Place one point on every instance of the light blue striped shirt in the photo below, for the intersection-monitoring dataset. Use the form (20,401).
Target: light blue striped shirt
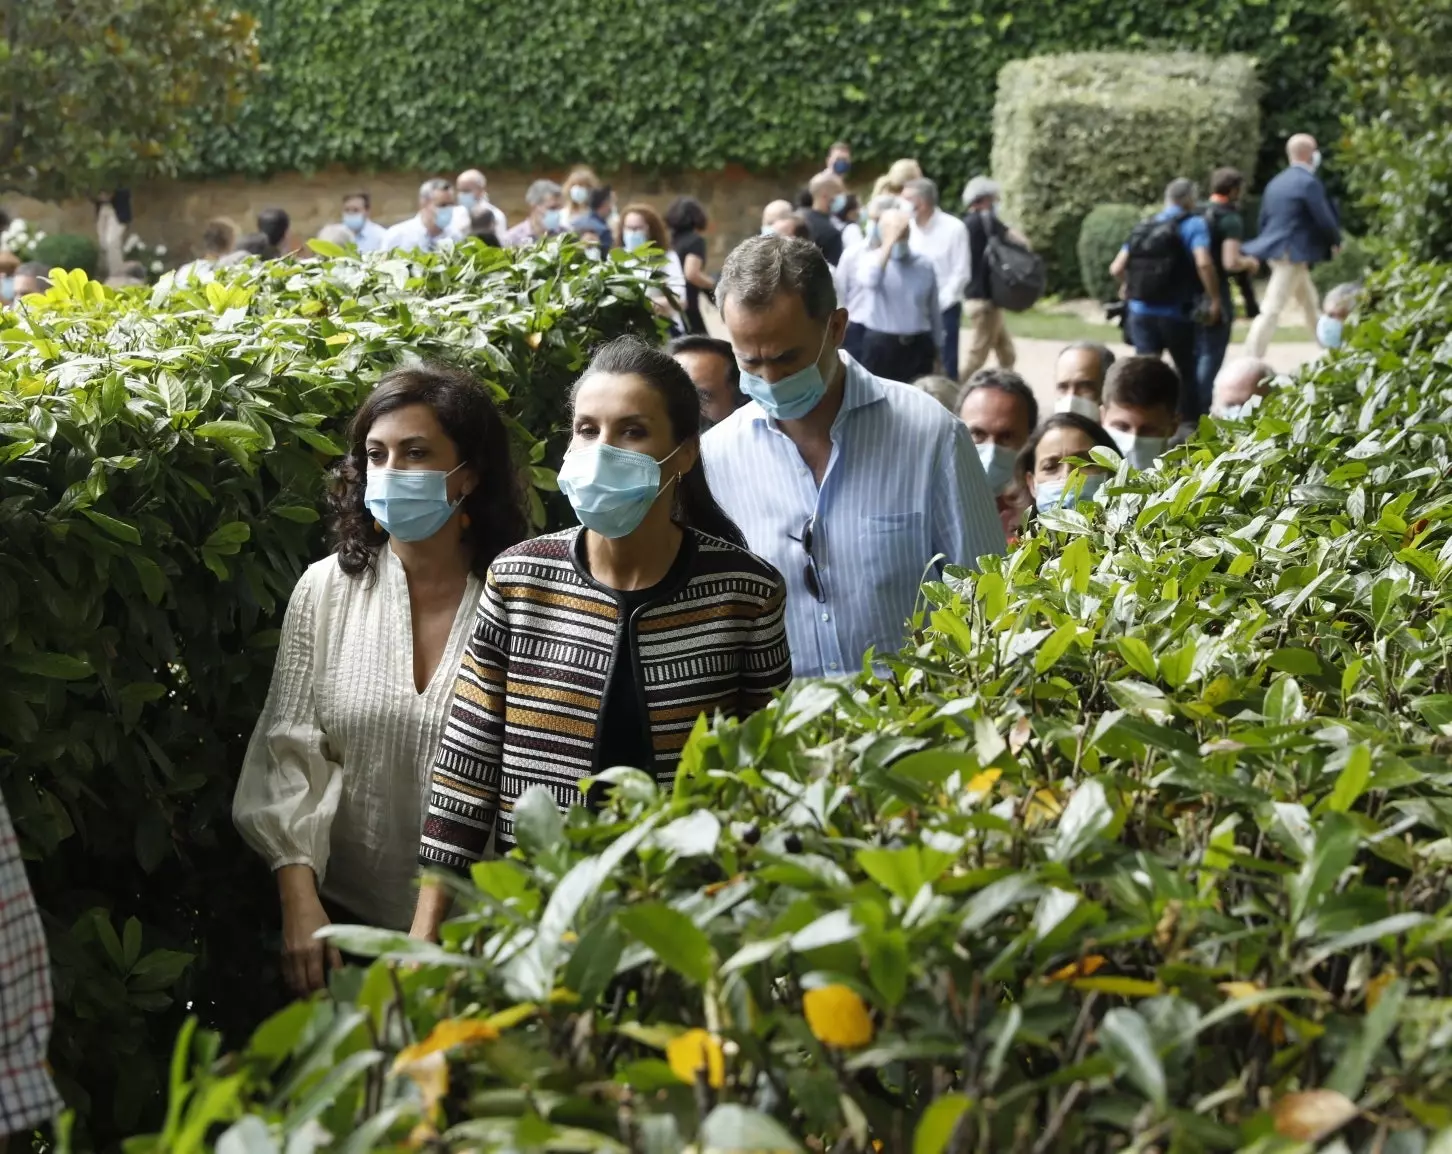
(903,484)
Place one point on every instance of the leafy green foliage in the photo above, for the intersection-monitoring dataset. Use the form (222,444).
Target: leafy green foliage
(1101,236)
(1352,263)
(685,85)
(1141,844)
(68,250)
(1398,146)
(96,94)
(1072,132)
(162,459)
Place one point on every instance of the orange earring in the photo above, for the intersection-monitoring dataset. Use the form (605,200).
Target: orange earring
(377,528)
(464,520)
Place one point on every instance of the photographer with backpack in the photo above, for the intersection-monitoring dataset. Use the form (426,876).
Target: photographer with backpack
(1172,288)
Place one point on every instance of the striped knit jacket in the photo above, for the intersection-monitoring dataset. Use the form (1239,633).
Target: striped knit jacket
(529,698)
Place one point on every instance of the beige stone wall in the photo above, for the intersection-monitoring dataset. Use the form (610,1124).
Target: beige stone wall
(174,212)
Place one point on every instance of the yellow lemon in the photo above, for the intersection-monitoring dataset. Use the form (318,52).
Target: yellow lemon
(688,1053)
(837,1016)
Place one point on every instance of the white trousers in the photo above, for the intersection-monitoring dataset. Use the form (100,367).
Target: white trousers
(1288,282)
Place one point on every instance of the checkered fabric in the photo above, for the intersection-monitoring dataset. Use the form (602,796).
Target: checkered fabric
(27,1095)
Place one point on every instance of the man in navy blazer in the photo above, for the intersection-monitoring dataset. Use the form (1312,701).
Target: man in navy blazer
(1298,228)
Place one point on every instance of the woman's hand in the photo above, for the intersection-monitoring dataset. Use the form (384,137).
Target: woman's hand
(305,959)
(429,914)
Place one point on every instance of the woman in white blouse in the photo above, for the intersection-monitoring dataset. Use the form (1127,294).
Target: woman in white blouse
(332,789)
(641,225)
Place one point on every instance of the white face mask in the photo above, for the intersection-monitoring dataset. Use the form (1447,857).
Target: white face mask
(1315,160)
(998,461)
(1074,403)
(1141,452)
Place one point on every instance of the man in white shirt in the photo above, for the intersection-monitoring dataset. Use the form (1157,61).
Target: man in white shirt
(432,228)
(473,190)
(943,239)
(357,215)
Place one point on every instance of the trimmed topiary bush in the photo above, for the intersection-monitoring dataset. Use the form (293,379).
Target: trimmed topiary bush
(1070,132)
(68,250)
(1102,234)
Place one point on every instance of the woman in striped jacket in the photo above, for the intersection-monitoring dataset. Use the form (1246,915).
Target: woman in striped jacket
(600,646)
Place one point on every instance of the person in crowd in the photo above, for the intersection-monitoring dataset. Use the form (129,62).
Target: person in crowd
(485,226)
(251,244)
(851,290)
(358,216)
(852,486)
(9,262)
(1168,269)
(332,787)
(472,193)
(31,277)
(546,217)
(1141,400)
(219,237)
(1239,386)
(773,212)
(845,213)
(1044,469)
(130,274)
(1000,412)
(579,185)
(431,229)
(943,239)
(793,225)
(825,189)
(1227,232)
(839,161)
(599,646)
(1299,228)
(901,324)
(986,329)
(1336,310)
(333,233)
(640,225)
(712,367)
(28,1096)
(595,223)
(1079,378)
(687,220)
(276,225)
(895,179)
(942,389)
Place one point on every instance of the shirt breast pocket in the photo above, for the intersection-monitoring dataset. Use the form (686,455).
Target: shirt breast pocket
(893,547)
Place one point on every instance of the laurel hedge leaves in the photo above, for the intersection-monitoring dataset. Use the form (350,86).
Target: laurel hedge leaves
(162,456)
(697,84)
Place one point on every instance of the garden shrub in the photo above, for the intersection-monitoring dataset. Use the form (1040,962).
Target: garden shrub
(1352,263)
(68,250)
(900,80)
(1074,131)
(162,458)
(1101,236)
(1140,844)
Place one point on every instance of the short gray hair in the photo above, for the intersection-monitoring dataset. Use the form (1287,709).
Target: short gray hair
(540,191)
(924,188)
(434,184)
(978,188)
(1180,190)
(1342,297)
(944,390)
(761,267)
(338,234)
(1103,352)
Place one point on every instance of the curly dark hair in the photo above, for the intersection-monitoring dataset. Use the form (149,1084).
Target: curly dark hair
(686,214)
(465,410)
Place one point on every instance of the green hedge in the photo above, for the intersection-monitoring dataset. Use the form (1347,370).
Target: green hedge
(1074,131)
(68,250)
(1141,844)
(1102,234)
(162,454)
(438,87)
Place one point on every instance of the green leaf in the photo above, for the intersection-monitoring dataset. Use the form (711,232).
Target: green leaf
(887,964)
(1126,1037)
(1055,646)
(326,247)
(228,539)
(158,970)
(58,666)
(1335,846)
(732,1127)
(593,963)
(902,872)
(1349,1075)
(1138,657)
(936,1125)
(297,513)
(1087,815)
(1351,781)
(673,938)
(121,530)
(538,826)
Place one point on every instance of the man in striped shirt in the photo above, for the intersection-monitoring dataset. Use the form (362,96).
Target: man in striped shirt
(853,487)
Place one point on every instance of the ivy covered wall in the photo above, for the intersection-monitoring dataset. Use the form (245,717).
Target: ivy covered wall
(694,84)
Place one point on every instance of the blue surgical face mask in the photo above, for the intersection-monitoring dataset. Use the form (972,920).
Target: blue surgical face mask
(7,289)
(410,504)
(1141,452)
(841,166)
(998,462)
(355,221)
(1330,332)
(791,398)
(900,250)
(839,202)
(443,215)
(580,194)
(767,230)
(553,220)
(467,200)
(1052,495)
(633,238)
(611,489)
(874,234)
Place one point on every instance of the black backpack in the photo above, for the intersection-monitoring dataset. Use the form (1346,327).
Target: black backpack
(1016,276)
(1161,270)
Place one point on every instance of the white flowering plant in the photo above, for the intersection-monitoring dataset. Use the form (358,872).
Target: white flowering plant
(152,256)
(20,238)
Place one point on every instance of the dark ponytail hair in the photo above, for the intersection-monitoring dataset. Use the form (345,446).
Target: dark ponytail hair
(694,507)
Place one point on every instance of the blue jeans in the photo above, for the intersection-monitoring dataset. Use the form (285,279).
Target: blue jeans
(1152,336)
(1211,343)
(952,323)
